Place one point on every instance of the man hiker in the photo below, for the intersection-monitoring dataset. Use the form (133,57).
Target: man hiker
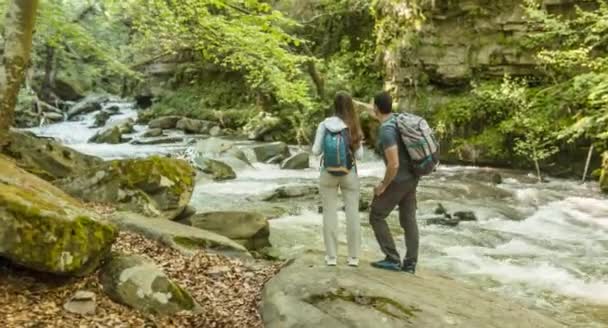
(397,188)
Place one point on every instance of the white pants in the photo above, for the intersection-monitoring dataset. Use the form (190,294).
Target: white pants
(349,185)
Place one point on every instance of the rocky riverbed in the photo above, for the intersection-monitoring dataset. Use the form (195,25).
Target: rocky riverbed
(542,246)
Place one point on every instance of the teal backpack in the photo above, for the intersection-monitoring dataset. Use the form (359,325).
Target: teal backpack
(337,157)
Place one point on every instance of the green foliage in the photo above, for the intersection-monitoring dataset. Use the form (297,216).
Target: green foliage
(235,36)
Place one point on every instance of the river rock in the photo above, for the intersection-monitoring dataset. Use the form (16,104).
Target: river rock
(444,220)
(465,216)
(308,294)
(137,282)
(181,237)
(215,131)
(89,104)
(165,122)
(44,229)
(83,303)
(298,161)
(216,168)
(189,125)
(213,147)
(291,191)
(45,157)
(153,133)
(156,186)
(158,141)
(53,116)
(604,174)
(249,229)
(100,119)
(265,152)
(110,135)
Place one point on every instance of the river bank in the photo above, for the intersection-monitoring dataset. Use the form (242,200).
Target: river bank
(540,244)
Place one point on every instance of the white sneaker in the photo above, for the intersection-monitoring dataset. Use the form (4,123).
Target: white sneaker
(331,261)
(353,262)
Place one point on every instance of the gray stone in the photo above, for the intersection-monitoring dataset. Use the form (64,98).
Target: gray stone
(213,147)
(110,136)
(307,293)
(249,229)
(153,133)
(181,237)
(89,104)
(189,125)
(165,122)
(158,141)
(264,152)
(215,131)
(291,191)
(216,168)
(83,303)
(298,161)
(465,216)
(137,282)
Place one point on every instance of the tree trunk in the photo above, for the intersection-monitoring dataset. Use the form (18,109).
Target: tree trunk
(18,30)
(588,162)
(49,74)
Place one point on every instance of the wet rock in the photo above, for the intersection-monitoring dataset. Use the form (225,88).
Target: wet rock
(216,168)
(89,104)
(46,158)
(442,220)
(276,160)
(137,282)
(153,133)
(215,131)
(44,229)
(110,136)
(181,237)
(291,191)
(155,186)
(189,125)
(440,210)
(83,303)
(213,147)
(308,294)
(298,161)
(249,229)
(100,119)
(53,116)
(165,122)
(267,151)
(158,141)
(186,214)
(465,216)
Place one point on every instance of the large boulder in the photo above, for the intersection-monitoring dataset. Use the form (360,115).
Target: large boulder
(267,151)
(47,158)
(155,186)
(44,229)
(213,147)
(224,151)
(298,161)
(181,237)
(307,293)
(152,133)
(137,282)
(189,125)
(249,229)
(165,122)
(89,104)
(604,174)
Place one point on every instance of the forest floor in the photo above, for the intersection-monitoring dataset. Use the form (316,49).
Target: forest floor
(228,290)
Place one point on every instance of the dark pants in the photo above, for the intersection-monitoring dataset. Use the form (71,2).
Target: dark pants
(404,195)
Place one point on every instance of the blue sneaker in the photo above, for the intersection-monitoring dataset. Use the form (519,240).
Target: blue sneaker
(387,264)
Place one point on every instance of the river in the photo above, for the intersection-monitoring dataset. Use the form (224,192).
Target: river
(545,245)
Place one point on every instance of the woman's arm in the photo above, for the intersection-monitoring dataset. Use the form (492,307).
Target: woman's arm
(316,147)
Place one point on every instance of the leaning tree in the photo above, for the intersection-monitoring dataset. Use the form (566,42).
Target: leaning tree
(18,29)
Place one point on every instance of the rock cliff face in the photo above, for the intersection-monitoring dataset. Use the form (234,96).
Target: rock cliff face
(452,42)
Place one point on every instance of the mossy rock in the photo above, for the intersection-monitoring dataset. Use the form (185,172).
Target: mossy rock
(47,158)
(217,169)
(44,229)
(137,282)
(155,186)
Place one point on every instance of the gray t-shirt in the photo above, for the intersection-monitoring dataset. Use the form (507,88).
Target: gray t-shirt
(388,136)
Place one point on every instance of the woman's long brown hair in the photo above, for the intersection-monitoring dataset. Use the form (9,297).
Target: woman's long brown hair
(345,110)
